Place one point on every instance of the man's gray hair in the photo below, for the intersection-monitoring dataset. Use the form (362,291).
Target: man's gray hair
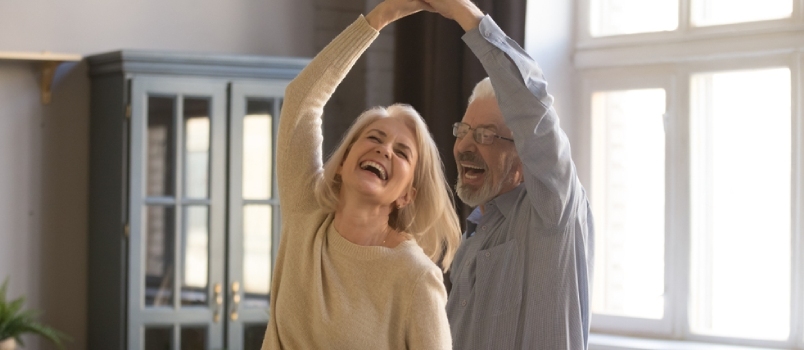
(482,89)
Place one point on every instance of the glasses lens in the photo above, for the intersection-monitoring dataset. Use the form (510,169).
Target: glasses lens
(459,130)
(484,136)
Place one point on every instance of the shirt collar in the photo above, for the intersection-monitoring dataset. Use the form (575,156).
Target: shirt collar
(505,201)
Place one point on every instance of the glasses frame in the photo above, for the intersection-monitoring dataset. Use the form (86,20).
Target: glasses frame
(476,135)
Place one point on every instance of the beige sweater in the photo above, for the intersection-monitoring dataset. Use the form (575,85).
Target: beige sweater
(328,293)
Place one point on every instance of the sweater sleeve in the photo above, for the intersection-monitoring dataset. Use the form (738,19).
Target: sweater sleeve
(299,150)
(427,324)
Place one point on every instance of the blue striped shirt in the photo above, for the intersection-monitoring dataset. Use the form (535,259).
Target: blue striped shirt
(521,281)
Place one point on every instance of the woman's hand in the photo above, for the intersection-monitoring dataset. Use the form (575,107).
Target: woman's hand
(392,10)
(465,12)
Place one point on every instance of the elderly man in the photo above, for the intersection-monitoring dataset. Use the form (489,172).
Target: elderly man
(520,279)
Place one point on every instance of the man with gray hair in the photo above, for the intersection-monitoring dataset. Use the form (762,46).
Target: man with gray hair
(520,279)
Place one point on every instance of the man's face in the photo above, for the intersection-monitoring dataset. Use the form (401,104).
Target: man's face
(485,171)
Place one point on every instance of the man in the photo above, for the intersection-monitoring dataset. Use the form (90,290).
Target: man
(520,279)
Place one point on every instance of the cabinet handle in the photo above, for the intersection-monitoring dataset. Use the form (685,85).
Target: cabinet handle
(218,302)
(235,300)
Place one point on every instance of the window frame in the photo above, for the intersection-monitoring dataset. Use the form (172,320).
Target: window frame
(685,31)
(668,60)
(608,80)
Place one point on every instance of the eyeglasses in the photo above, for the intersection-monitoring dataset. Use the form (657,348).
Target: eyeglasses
(481,135)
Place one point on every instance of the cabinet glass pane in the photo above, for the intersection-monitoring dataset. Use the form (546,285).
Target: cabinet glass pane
(158,338)
(196,256)
(257,149)
(196,147)
(741,203)
(257,225)
(253,335)
(714,12)
(160,138)
(617,17)
(627,196)
(159,256)
(193,338)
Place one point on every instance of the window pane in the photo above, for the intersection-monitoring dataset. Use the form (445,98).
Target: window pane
(257,152)
(253,335)
(712,12)
(160,242)
(160,146)
(615,17)
(158,338)
(196,147)
(196,256)
(257,225)
(740,205)
(194,338)
(628,202)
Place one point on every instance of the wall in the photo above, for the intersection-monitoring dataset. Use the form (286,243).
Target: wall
(44,149)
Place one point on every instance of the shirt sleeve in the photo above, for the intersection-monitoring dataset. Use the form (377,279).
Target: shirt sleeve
(527,109)
(427,323)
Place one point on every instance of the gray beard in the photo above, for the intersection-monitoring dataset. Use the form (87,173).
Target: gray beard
(487,191)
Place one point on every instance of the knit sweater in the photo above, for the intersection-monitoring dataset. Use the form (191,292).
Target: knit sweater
(328,293)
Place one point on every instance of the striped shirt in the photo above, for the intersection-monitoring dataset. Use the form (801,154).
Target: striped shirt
(520,279)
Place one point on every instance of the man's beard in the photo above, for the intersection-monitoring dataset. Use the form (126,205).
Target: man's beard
(488,190)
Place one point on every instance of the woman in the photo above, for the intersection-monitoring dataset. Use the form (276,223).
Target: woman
(356,264)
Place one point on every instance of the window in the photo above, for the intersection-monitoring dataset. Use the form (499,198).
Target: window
(714,12)
(693,145)
(628,174)
(740,203)
(613,17)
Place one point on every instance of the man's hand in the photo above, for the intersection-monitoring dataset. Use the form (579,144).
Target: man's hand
(465,12)
(392,10)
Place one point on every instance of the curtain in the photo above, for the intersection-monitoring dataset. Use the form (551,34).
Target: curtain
(435,71)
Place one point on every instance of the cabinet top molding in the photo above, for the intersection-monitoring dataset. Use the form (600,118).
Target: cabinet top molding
(195,64)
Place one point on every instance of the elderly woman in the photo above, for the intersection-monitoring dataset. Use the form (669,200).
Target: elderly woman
(361,234)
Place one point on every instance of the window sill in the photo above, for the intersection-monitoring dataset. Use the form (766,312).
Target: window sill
(615,342)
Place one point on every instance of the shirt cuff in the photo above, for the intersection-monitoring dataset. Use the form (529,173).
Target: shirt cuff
(481,39)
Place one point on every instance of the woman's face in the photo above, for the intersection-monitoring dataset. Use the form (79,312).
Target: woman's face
(381,162)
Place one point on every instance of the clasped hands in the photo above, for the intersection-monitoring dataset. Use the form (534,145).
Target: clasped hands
(466,13)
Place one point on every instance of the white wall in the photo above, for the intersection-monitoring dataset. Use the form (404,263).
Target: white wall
(44,149)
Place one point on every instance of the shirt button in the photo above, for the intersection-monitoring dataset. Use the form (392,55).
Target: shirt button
(488,254)
(484,227)
(463,302)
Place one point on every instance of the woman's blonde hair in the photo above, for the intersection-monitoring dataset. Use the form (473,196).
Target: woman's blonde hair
(430,218)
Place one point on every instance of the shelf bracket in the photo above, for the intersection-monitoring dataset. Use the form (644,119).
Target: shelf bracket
(48,70)
(47,64)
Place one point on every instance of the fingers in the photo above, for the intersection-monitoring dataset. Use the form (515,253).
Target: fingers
(391,10)
(427,7)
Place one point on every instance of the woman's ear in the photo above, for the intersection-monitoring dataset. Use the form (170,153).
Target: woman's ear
(406,198)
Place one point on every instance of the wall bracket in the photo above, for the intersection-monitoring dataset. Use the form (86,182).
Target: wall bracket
(47,63)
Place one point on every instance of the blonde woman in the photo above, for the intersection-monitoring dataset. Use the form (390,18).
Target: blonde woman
(360,234)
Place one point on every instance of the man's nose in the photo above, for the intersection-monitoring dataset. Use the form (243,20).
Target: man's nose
(465,143)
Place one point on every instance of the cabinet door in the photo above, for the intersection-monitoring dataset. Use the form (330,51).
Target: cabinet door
(253,209)
(177,213)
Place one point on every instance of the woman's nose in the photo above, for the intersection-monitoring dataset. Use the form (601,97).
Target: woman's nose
(383,152)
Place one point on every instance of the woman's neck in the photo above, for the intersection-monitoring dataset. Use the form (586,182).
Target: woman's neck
(362,223)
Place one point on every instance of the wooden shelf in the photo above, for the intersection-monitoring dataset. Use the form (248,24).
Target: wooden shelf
(47,62)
